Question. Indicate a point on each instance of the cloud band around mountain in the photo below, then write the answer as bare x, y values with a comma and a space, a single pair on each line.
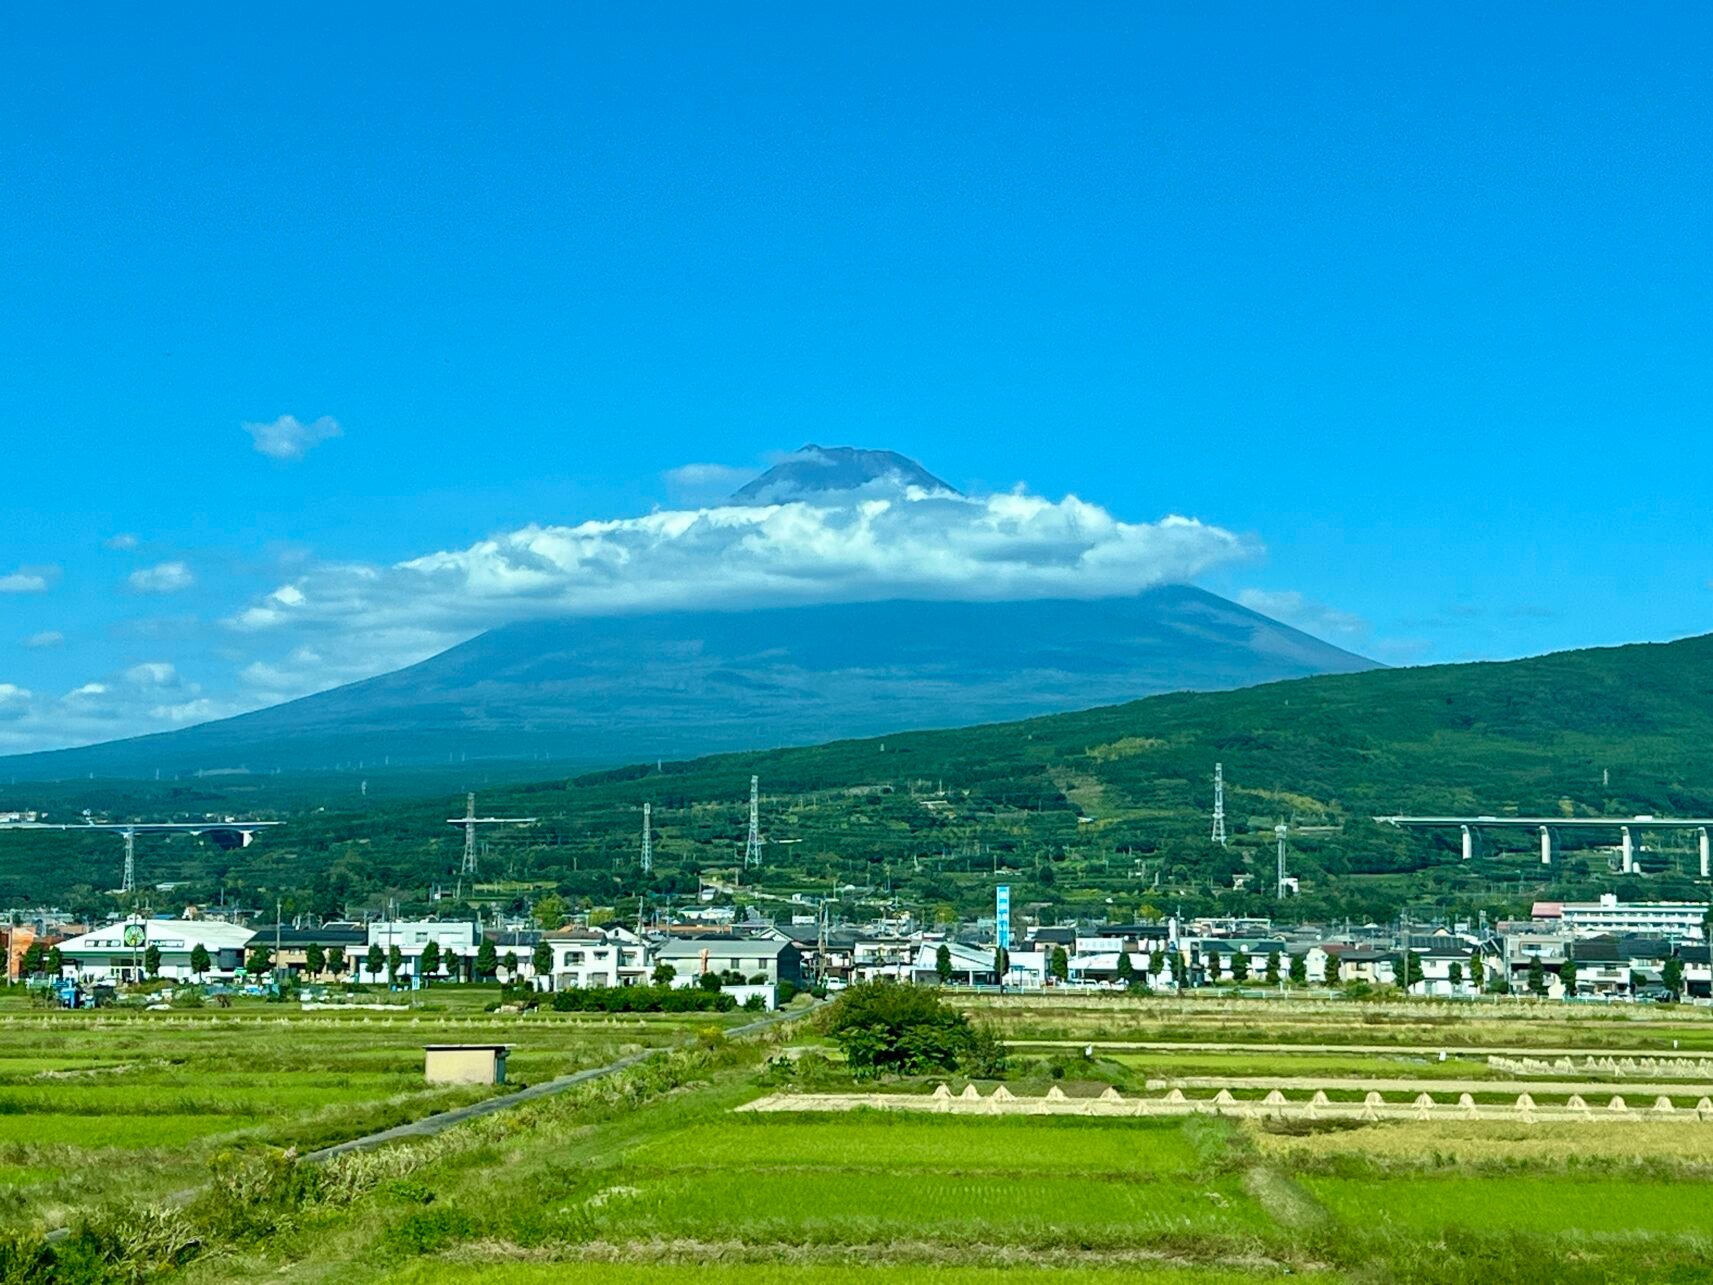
998, 547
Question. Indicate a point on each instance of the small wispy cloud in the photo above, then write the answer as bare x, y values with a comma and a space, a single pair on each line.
1303, 613
47, 638
288, 438
152, 673
165, 577
28, 580
122, 542
699, 483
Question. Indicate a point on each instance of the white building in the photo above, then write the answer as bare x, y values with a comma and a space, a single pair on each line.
598, 957
410, 936
117, 952
1673, 920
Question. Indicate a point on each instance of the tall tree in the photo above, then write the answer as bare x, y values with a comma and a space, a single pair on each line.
336, 960
1213, 966
1156, 963
152, 960
487, 960
1537, 976
1272, 968
261, 959
1299, 972
1329, 970
541, 960
56, 961
943, 964
1672, 977
35, 958
1567, 976
1059, 964
428, 964
1477, 969
395, 963
1240, 966
200, 962
1126, 970
374, 961
314, 959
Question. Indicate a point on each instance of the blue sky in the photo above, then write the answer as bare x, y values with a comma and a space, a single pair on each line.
1415, 304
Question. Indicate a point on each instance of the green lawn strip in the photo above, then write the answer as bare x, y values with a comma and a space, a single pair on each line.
882, 1140
96, 1132
822, 1207
783, 1273
1556, 1204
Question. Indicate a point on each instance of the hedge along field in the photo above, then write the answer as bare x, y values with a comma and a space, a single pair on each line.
103, 1105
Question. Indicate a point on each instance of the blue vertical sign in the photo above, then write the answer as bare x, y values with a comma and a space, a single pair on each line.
1002, 914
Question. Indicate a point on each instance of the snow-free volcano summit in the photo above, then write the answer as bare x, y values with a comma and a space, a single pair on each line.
841, 593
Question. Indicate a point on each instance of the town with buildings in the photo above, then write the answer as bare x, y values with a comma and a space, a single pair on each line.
1604, 950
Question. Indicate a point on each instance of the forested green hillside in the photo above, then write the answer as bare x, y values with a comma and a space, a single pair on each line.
1103, 810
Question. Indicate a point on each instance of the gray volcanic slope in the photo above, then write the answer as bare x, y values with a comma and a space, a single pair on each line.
594, 692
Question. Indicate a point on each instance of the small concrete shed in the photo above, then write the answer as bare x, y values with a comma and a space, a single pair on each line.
465, 1063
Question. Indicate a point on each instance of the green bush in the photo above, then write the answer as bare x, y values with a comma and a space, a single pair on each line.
641, 999
906, 1030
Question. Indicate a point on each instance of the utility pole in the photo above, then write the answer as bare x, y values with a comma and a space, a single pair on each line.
1219, 804
1279, 832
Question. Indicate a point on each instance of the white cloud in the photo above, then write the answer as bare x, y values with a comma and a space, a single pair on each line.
166, 577
191, 711
999, 547
121, 542
28, 580
146, 698
47, 638
1303, 613
153, 673
700, 483
286, 438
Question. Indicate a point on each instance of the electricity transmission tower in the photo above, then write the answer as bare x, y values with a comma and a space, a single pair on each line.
1280, 831
648, 838
752, 845
228, 834
1219, 804
470, 821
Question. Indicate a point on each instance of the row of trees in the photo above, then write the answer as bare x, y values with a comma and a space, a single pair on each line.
435, 961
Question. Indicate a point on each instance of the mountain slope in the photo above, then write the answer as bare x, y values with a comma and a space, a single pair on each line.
613, 690
1099, 812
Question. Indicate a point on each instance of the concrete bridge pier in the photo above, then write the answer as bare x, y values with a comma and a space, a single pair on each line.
1546, 846
1629, 864
1705, 852
1469, 842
